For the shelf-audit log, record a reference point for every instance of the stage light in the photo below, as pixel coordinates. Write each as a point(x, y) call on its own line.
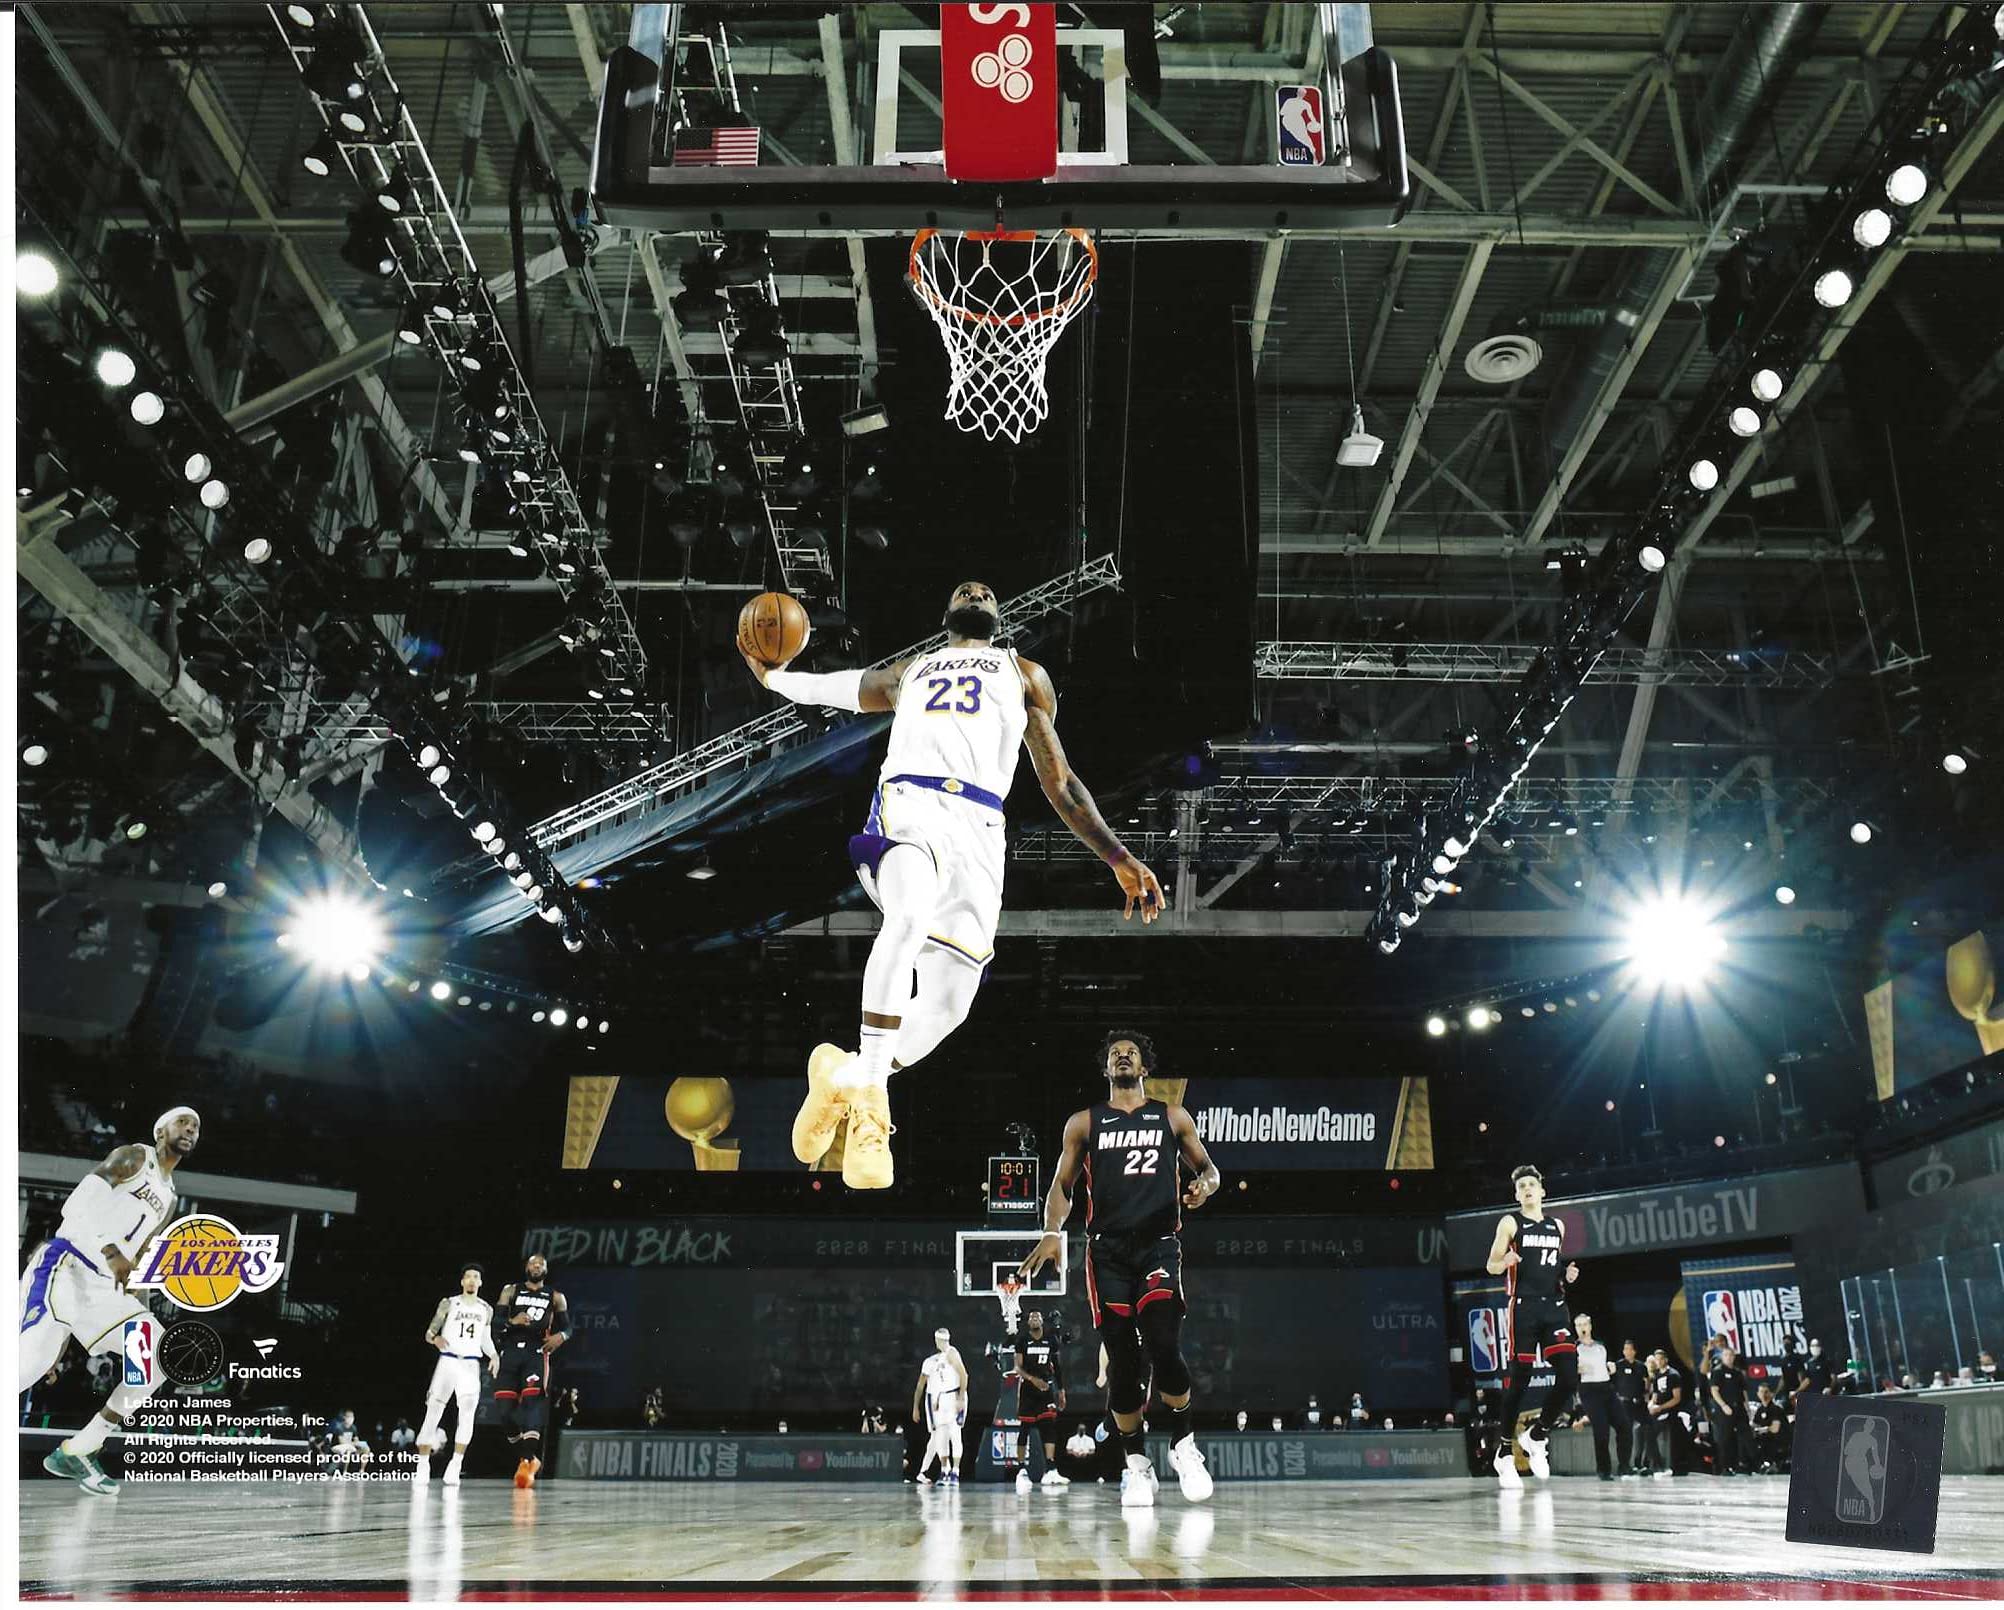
point(1744, 421)
point(464, 1000)
point(136, 829)
point(551, 913)
point(531, 891)
point(1480, 1017)
point(1457, 847)
point(395, 193)
point(1766, 384)
point(257, 550)
point(523, 879)
point(147, 408)
point(584, 1024)
point(1609, 1106)
point(214, 494)
point(1871, 227)
point(440, 990)
point(195, 467)
point(115, 368)
point(335, 932)
point(1443, 864)
point(497, 845)
point(34, 274)
point(34, 754)
point(1704, 474)
point(483, 831)
point(1672, 943)
point(1833, 287)
point(429, 755)
point(1861, 832)
point(573, 942)
point(1388, 944)
point(511, 862)
point(358, 972)
point(1955, 763)
point(1771, 1079)
point(1906, 184)
point(1784, 895)
point(321, 156)
point(440, 775)
point(1436, 1026)
point(1718, 1140)
point(538, 1015)
point(559, 1017)
point(1651, 558)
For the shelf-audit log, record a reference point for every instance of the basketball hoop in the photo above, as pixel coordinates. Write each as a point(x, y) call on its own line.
point(1009, 1293)
point(1001, 299)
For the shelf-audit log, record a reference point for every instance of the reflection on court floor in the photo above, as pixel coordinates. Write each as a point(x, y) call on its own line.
point(1692, 1538)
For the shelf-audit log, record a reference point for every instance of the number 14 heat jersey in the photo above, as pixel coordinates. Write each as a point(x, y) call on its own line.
point(960, 715)
point(1131, 1172)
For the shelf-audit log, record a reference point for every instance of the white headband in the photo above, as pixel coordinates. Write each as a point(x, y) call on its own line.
point(170, 1115)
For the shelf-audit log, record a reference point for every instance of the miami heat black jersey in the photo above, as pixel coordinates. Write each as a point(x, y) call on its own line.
point(1131, 1172)
point(1040, 1358)
point(536, 1305)
point(1540, 1276)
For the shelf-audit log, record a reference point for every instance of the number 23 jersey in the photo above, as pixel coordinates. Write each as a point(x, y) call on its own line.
point(1131, 1172)
point(960, 715)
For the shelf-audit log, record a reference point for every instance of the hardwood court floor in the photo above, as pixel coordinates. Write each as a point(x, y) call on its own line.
point(1692, 1538)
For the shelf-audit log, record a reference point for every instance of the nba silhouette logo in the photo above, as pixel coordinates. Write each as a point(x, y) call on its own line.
point(1722, 1318)
point(140, 1338)
point(1299, 116)
point(1861, 1468)
point(1484, 1357)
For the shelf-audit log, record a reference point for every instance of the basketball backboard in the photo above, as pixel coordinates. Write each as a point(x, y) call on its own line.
point(900, 185)
point(982, 1257)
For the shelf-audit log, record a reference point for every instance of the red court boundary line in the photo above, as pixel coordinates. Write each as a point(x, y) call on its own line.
point(1416, 1588)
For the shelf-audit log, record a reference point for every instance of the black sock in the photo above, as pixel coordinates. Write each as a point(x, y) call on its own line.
point(1133, 1442)
point(1179, 1423)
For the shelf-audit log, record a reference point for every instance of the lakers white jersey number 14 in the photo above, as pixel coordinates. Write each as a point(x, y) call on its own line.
point(467, 1319)
point(960, 715)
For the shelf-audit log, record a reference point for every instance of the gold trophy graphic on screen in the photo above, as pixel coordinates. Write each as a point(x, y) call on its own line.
point(1972, 986)
point(699, 1110)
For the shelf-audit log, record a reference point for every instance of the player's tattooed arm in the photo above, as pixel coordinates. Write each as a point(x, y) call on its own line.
point(122, 1164)
point(1501, 1254)
point(1058, 1200)
point(1205, 1178)
point(502, 1304)
point(433, 1332)
point(1073, 801)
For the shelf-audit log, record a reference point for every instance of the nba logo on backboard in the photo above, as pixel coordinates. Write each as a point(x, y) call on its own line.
point(1300, 119)
point(1861, 1468)
point(141, 1338)
point(1484, 1356)
point(1722, 1317)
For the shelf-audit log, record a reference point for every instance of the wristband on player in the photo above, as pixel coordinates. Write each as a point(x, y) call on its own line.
point(833, 690)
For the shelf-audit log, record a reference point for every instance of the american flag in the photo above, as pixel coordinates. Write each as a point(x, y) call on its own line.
point(716, 148)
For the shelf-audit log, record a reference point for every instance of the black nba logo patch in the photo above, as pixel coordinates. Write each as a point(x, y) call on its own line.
point(1866, 1473)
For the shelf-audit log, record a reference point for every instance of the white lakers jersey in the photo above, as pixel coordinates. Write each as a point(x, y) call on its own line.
point(960, 715)
point(144, 1203)
point(467, 1320)
point(942, 1376)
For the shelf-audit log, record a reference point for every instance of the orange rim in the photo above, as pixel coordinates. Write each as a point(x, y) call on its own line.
point(1082, 237)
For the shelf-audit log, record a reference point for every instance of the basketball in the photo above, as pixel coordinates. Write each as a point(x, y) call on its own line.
point(772, 628)
point(200, 1291)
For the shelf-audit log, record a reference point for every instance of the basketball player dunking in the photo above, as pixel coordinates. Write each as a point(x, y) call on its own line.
point(1526, 1251)
point(75, 1284)
point(931, 856)
point(1131, 1149)
point(462, 1329)
point(532, 1322)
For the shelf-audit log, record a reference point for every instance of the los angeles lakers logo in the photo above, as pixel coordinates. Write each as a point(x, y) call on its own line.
point(203, 1262)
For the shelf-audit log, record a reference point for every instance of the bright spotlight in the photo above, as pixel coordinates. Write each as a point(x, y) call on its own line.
point(1906, 184)
point(1784, 895)
point(1872, 227)
point(439, 775)
point(1480, 1017)
point(1744, 421)
point(1704, 475)
point(1833, 287)
point(604, 1025)
point(195, 467)
point(1770, 1078)
point(258, 550)
point(34, 274)
point(218, 889)
point(429, 756)
point(214, 494)
point(358, 972)
point(1652, 558)
point(441, 991)
point(538, 1016)
point(116, 368)
point(483, 831)
point(1766, 384)
point(551, 914)
point(1436, 1026)
point(1955, 763)
point(337, 933)
point(1672, 943)
point(1861, 832)
point(147, 408)
point(34, 754)
point(559, 1017)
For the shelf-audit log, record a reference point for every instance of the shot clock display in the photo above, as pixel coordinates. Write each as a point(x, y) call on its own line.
point(1015, 1187)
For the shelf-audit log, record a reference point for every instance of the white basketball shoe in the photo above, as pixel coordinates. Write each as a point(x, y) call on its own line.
point(1187, 1460)
point(1537, 1450)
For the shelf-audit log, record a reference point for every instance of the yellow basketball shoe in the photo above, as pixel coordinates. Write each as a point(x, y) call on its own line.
point(866, 1155)
point(821, 1113)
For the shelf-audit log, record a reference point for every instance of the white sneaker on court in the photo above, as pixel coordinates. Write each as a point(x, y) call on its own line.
point(1537, 1450)
point(1053, 1481)
point(1023, 1482)
point(451, 1477)
point(1506, 1467)
point(923, 1480)
point(1137, 1491)
point(1187, 1460)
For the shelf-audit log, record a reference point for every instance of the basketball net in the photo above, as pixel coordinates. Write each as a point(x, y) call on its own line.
point(1010, 1295)
point(1001, 299)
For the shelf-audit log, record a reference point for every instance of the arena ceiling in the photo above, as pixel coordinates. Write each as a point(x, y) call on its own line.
point(1555, 148)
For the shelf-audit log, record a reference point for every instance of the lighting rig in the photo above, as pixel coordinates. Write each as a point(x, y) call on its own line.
point(405, 231)
point(1955, 76)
